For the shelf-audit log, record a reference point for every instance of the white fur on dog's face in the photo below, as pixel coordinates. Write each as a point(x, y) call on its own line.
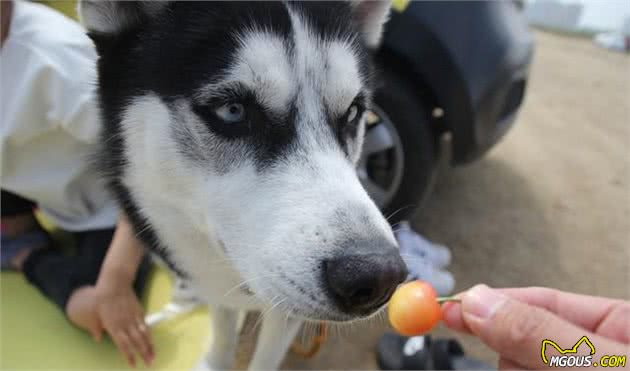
point(278, 224)
point(280, 201)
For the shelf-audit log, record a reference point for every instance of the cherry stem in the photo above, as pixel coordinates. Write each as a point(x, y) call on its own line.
point(445, 299)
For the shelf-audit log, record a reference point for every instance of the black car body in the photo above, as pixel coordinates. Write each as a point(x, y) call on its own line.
point(473, 57)
point(466, 63)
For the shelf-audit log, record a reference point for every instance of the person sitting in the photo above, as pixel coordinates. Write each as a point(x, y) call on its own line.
point(49, 129)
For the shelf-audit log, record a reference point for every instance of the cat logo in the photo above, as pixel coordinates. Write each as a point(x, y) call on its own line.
point(570, 358)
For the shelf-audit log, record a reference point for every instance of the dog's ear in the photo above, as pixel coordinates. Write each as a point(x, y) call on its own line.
point(370, 16)
point(109, 18)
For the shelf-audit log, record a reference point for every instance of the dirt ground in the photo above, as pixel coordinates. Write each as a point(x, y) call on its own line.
point(549, 205)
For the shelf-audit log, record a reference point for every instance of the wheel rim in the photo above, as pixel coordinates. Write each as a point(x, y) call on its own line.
point(381, 165)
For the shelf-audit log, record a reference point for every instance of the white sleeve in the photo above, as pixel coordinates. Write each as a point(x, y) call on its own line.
point(71, 91)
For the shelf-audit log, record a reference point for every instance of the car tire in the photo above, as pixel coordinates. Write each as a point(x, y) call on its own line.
point(401, 105)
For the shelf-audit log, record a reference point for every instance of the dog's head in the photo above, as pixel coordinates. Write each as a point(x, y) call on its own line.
point(248, 118)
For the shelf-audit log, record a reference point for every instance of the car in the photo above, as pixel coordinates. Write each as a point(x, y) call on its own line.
point(453, 70)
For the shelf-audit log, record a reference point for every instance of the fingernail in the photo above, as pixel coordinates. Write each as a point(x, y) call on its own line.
point(482, 302)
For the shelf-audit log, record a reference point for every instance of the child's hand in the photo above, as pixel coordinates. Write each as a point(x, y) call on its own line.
point(122, 316)
point(118, 309)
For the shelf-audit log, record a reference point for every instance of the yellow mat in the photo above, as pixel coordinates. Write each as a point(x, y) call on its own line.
point(35, 335)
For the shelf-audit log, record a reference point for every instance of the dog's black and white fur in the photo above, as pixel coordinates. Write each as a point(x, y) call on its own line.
point(230, 136)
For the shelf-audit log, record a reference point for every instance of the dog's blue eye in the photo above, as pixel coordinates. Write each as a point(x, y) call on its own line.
point(231, 112)
point(352, 113)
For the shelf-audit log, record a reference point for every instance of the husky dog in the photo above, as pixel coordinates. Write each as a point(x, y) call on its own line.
point(230, 135)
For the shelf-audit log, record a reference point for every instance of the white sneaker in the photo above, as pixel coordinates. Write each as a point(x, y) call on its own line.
point(425, 261)
point(414, 244)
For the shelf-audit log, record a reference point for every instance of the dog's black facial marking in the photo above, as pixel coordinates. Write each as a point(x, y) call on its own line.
point(173, 56)
point(194, 43)
point(328, 19)
point(346, 127)
point(333, 21)
point(266, 133)
point(250, 117)
point(191, 44)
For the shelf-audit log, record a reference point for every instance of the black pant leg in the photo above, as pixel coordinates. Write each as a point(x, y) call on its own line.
point(53, 273)
point(57, 275)
point(12, 204)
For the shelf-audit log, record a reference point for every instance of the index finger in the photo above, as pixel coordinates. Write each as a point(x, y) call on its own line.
point(141, 342)
point(124, 346)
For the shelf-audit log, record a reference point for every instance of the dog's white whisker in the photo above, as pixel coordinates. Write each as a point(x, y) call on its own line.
point(225, 260)
point(399, 210)
point(245, 282)
point(144, 229)
point(275, 306)
point(338, 330)
point(262, 315)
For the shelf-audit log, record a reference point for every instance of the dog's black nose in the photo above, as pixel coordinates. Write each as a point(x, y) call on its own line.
point(362, 283)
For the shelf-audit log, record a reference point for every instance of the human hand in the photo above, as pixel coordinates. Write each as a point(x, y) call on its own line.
point(119, 311)
point(515, 321)
point(122, 316)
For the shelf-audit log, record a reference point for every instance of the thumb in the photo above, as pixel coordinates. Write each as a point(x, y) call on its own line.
point(514, 329)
